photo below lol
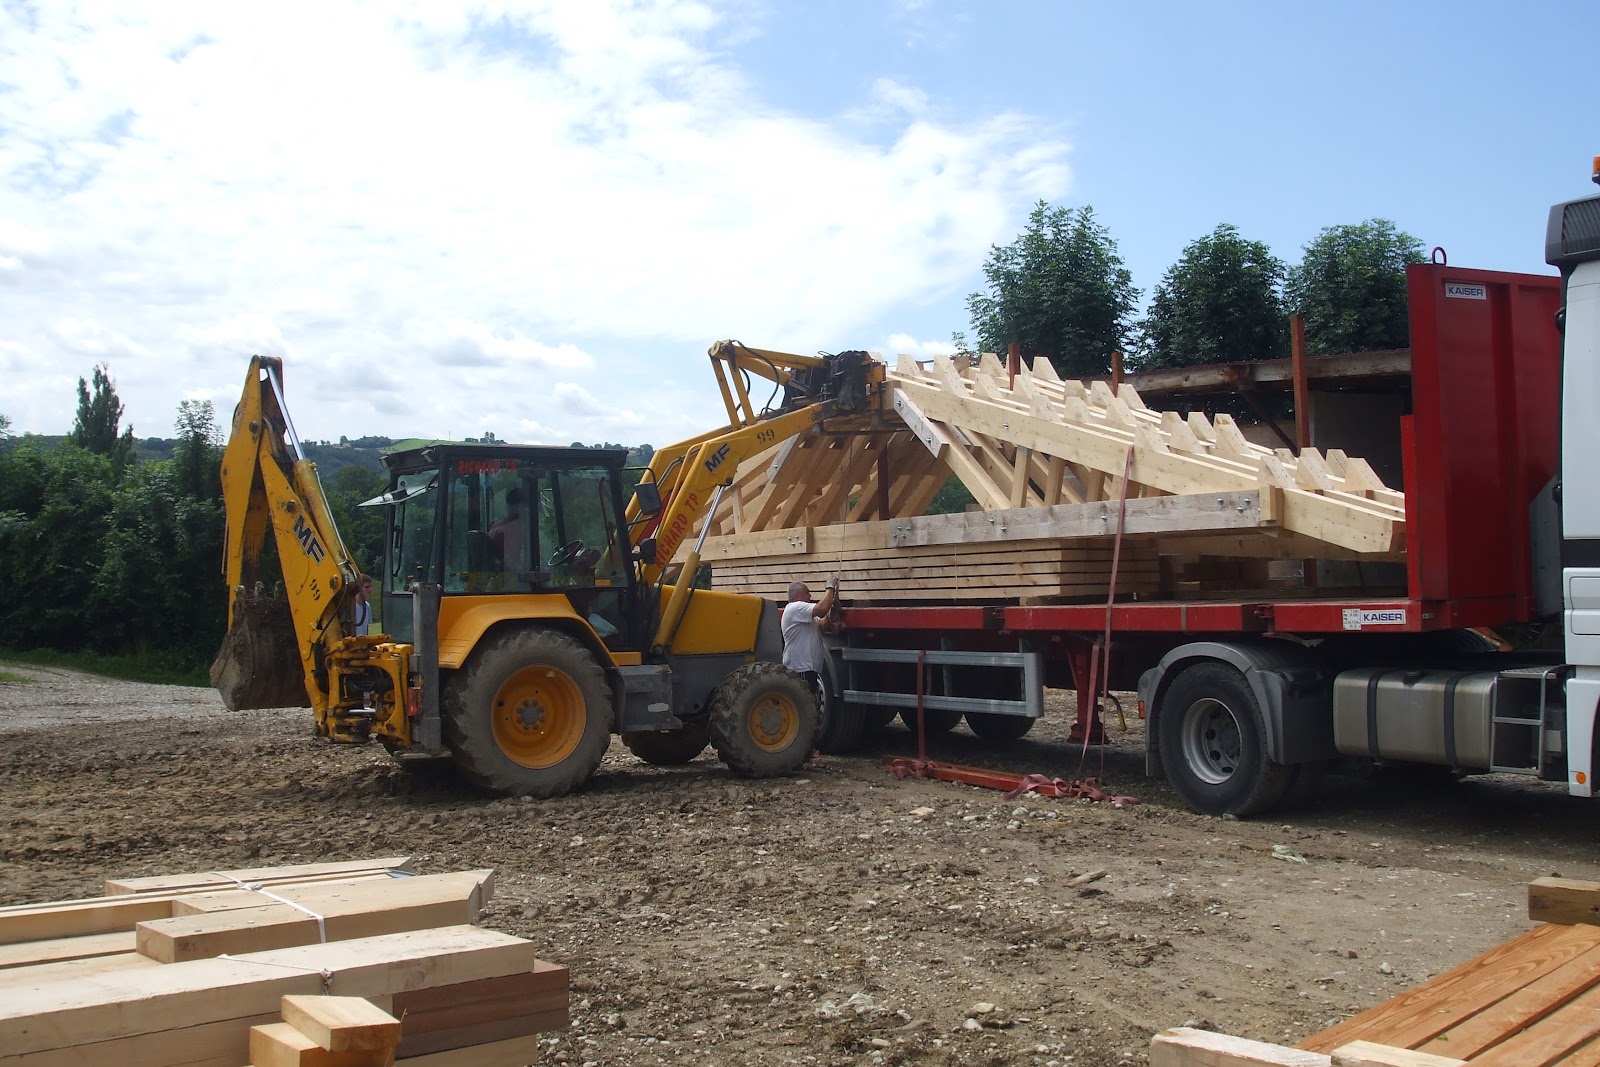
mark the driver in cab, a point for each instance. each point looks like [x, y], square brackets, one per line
[510, 536]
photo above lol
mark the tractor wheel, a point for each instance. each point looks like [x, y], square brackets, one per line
[764, 720]
[530, 715]
[1214, 744]
[668, 748]
[937, 722]
[995, 727]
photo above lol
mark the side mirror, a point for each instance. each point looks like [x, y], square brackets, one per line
[648, 494]
[647, 550]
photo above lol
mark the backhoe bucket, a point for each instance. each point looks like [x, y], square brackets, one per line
[259, 663]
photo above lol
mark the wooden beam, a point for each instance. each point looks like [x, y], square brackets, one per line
[1302, 382]
[1186, 1047]
[297, 873]
[1368, 1054]
[1274, 374]
[62, 1015]
[1564, 900]
[341, 1024]
[281, 1045]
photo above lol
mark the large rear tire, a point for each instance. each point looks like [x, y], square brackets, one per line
[937, 721]
[530, 715]
[764, 721]
[843, 725]
[669, 749]
[1214, 744]
[992, 726]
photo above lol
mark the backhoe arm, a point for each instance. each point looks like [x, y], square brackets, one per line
[265, 486]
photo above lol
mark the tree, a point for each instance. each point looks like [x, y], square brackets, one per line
[1219, 303]
[5, 425]
[1351, 287]
[198, 453]
[1060, 290]
[99, 415]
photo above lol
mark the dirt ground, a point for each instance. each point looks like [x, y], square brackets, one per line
[838, 917]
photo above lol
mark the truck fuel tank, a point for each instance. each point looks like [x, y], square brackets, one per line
[1420, 716]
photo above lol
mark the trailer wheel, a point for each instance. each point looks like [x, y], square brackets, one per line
[1214, 744]
[843, 725]
[876, 720]
[668, 748]
[764, 721]
[994, 727]
[937, 721]
[530, 715]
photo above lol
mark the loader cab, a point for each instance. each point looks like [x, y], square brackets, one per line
[492, 520]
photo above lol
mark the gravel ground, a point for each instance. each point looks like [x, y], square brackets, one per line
[838, 917]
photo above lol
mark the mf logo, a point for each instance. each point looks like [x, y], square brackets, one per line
[308, 540]
[716, 459]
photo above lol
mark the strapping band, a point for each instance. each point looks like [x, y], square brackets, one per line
[257, 887]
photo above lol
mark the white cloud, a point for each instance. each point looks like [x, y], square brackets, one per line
[905, 343]
[439, 212]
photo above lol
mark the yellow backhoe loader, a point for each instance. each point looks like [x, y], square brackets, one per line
[531, 601]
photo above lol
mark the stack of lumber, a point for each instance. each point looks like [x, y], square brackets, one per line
[1531, 1002]
[199, 969]
[1056, 468]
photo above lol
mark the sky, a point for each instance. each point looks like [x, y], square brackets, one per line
[533, 217]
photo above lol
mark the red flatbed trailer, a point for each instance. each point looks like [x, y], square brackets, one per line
[1479, 446]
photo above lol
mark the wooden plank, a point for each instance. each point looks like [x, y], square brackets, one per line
[516, 1050]
[59, 949]
[91, 968]
[282, 1045]
[341, 1024]
[380, 908]
[1549, 1039]
[98, 915]
[335, 894]
[1186, 1047]
[216, 1044]
[470, 1003]
[1564, 900]
[64, 1014]
[1460, 992]
[300, 872]
[1532, 1002]
[1368, 1054]
[528, 1023]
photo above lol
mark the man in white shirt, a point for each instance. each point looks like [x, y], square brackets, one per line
[802, 630]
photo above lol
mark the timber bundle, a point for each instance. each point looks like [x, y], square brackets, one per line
[1057, 469]
[354, 964]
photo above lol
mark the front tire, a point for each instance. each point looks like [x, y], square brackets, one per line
[1214, 744]
[992, 726]
[530, 715]
[764, 721]
[668, 749]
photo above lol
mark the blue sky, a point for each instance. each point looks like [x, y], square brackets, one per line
[533, 216]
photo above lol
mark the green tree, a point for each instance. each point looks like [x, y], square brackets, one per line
[1219, 303]
[1060, 290]
[1351, 287]
[198, 455]
[99, 416]
[361, 529]
[5, 425]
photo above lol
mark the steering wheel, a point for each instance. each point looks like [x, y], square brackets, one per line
[565, 555]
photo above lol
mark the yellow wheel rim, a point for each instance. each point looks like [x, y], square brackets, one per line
[538, 716]
[774, 722]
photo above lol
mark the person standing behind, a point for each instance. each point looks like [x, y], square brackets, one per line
[802, 630]
[361, 608]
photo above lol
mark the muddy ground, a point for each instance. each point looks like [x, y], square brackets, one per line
[839, 917]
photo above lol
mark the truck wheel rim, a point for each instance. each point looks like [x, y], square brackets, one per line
[774, 722]
[1211, 740]
[538, 717]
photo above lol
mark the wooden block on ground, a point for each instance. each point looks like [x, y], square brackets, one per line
[1186, 1047]
[1368, 1054]
[342, 1024]
[55, 950]
[1564, 900]
[281, 1045]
